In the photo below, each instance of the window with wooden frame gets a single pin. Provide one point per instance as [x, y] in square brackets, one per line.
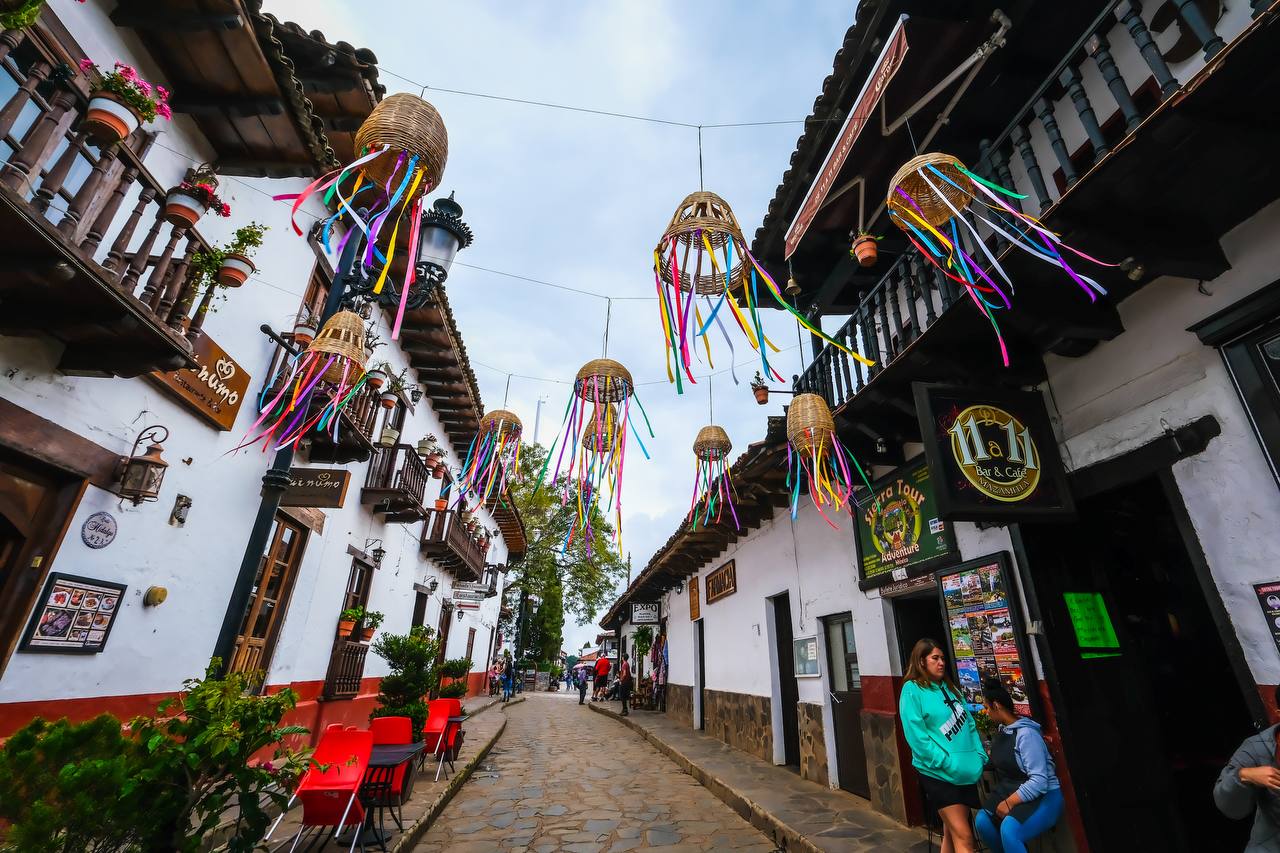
[420, 609]
[316, 295]
[269, 600]
[359, 581]
[346, 662]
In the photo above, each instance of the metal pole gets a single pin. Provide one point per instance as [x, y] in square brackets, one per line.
[274, 483]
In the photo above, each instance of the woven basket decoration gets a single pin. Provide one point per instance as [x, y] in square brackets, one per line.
[702, 214]
[493, 459]
[603, 380]
[600, 429]
[808, 422]
[712, 480]
[342, 336]
[404, 123]
[712, 443]
[501, 421]
[928, 198]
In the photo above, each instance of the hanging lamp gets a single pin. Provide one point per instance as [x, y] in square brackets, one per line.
[702, 254]
[817, 457]
[926, 199]
[493, 459]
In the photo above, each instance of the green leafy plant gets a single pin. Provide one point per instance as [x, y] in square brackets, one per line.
[453, 690]
[372, 619]
[397, 383]
[206, 263]
[986, 726]
[642, 639]
[412, 660]
[352, 614]
[456, 668]
[758, 381]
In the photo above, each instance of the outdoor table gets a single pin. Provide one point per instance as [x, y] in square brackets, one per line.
[375, 790]
[444, 739]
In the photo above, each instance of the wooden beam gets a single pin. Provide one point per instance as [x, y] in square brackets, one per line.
[249, 167]
[236, 105]
[148, 17]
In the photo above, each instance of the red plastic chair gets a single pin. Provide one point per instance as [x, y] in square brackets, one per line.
[442, 737]
[394, 730]
[329, 791]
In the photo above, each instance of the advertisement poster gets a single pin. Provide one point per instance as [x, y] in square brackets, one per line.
[1269, 600]
[73, 614]
[898, 529]
[982, 632]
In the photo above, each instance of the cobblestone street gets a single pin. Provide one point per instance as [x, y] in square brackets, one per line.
[564, 779]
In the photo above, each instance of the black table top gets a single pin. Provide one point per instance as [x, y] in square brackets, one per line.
[391, 754]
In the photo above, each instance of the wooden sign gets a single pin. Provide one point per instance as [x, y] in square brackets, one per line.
[74, 615]
[325, 487]
[214, 390]
[721, 583]
[695, 608]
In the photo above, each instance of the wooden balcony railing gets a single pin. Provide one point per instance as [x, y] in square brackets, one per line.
[396, 484]
[103, 271]
[446, 540]
[346, 669]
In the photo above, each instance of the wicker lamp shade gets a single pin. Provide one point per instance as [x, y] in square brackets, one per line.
[342, 336]
[808, 422]
[702, 214]
[601, 429]
[928, 204]
[712, 443]
[405, 123]
[603, 380]
[500, 420]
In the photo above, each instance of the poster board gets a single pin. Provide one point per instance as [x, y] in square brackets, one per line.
[898, 530]
[985, 630]
[804, 651]
[73, 615]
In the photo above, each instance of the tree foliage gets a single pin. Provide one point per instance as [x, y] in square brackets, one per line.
[412, 660]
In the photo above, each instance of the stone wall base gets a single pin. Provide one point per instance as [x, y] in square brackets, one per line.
[813, 745]
[680, 703]
[741, 720]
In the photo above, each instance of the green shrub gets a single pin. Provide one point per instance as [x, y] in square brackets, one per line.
[456, 668]
[412, 659]
[454, 690]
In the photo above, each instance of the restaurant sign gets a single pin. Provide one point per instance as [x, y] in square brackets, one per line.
[722, 583]
[992, 454]
[645, 613]
[899, 533]
[74, 615]
[214, 389]
[321, 487]
[695, 603]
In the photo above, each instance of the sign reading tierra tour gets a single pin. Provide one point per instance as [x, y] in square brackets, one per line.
[899, 533]
[992, 454]
[722, 582]
[318, 487]
[214, 390]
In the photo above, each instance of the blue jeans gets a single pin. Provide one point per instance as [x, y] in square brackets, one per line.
[506, 687]
[1011, 836]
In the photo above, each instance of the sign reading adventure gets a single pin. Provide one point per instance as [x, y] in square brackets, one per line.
[992, 454]
[644, 613]
[325, 487]
[74, 615]
[214, 390]
[721, 583]
[899, 533]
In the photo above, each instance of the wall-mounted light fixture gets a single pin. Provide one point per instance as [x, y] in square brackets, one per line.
[415, 394]
[140, 476]
[376, 553]
[432, 585]
[181, 506]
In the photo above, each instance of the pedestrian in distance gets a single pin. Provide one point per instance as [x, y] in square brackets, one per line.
[1250, 784]
[580, 676]
[1026, 800]
[508, 670]
[944, 742]
[602, 667]
[624, 682]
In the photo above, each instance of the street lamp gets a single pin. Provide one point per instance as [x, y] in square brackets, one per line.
[442, 234]
[140, 476]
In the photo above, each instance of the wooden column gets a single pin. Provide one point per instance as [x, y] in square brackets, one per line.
[87, 194]
[27, 159]
[57, 176]
[152, 293]
[143, 254]
[108, 214]
[11, 110]
[1100, 49]
[175, 283]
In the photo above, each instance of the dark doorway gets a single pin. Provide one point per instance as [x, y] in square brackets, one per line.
[444, 626]
[1142, 752]
[790, 694]
[700, 722]
[918, 615]
[846, 704]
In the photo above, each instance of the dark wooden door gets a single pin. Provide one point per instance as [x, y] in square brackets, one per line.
[701, 722]
[445, 625]
[270, 598]
[846, 704]
[790, 691]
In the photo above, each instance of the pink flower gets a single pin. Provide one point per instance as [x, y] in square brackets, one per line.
[144, 86]
[268, 766]
[86, 65]
[162, 92]
[226, 209]
[162, 110]
[127, 72]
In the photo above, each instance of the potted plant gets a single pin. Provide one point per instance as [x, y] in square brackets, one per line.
[442, 504]
[395, 387]
[119, 101]
[439, 471]
[429, 450]
[864, 249]
[389, 437]
[347, 620]
[371, 621]
[377, 375]
[372, 340]
[760, 388]
[305, 326]
[237, 256]
[191, 199]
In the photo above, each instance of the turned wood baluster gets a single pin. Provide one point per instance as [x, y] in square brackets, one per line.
[156, 283]
[179, 291]
[1001, 164]
[1074, 84]
[197, 318]
[1130, 14]
[1100, 49]
[1044, 109]
[9, 39]
[143, 254]
[57, 176]
[9, 114]
[1200, 27]
[85, 196]
[1022, 139]
[26, 160]
[108, 214]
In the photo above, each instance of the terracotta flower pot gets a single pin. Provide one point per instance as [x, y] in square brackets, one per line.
[235, 270]
[108, 119]
[303, 333]
[345, 627]
[438, 471]
[762, 395]
[366, 634]
[433, 459]
[375, 378]
[182, 208]
[388, 399]
[866, 250]
[442, 504]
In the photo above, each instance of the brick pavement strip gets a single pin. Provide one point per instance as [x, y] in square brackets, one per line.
[562, 779]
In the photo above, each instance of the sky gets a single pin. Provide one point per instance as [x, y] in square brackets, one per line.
[580, 200]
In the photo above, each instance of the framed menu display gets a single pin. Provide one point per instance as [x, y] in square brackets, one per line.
[73, 615]
[984, 630]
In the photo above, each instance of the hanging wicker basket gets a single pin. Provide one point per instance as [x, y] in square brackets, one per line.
[956, 186]
[702, 213]
[404, 123]
[342, 336]
[601, 429]
[603, 380]
[809, 422]
[500, 420]
[712, 443]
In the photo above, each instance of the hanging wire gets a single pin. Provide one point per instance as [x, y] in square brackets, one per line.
[506, 392]
[701, 188]
[608, 314]
[711, 403]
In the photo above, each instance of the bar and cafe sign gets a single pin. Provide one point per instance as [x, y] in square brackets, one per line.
[899, 532]
[316, 487]
[992, 454]
[214, 390]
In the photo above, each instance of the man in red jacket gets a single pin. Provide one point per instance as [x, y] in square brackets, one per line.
[602, 678]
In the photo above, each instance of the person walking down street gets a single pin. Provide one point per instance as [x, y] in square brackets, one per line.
[1250, 784]
[944, 742]
[580, 680]
[624, 682]
[601, 670]
[508, 670]
[1026, 800]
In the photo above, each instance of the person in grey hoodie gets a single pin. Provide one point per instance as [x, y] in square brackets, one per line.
[1026, 800]
[1250, 784]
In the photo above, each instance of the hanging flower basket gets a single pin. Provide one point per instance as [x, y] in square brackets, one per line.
[109, 119]
[304, 332]
[865, 250]
[235, 270]
[120, 100]
[438, 472]
[388, 399]
[377, 377]
[762, 394]
[366, 634]
[188, 201]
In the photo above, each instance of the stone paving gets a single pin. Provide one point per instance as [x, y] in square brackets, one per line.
[564, 779]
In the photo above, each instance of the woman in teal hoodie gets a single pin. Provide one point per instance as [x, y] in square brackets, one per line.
[944, 742]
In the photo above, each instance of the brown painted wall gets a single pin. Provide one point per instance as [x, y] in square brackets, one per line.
[813, 747]
[680, 703]
[740, 720]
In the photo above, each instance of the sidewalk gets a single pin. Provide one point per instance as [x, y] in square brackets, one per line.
[796, 813]
[429, 797]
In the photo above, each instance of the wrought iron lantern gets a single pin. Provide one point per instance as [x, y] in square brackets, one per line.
[140, 476]
[441, 235]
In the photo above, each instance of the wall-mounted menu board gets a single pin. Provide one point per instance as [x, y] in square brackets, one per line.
[73, 615]
[984, 630]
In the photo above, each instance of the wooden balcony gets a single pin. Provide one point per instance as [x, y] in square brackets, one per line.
[445, 540]
[88, 259]
[396, 484]
[346, 669]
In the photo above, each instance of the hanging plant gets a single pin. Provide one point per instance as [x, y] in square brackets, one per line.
[760, 388]
[191, 199]
[119, 100]
[865, 249]
[396, 385]
[305, 326]
[372, 340]
[377, 375]
[225, 266]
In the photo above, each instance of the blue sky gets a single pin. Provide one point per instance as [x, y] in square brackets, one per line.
[580, 200]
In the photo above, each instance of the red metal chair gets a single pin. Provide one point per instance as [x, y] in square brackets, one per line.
[394, 730]
[440, 735]
[329, 789]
